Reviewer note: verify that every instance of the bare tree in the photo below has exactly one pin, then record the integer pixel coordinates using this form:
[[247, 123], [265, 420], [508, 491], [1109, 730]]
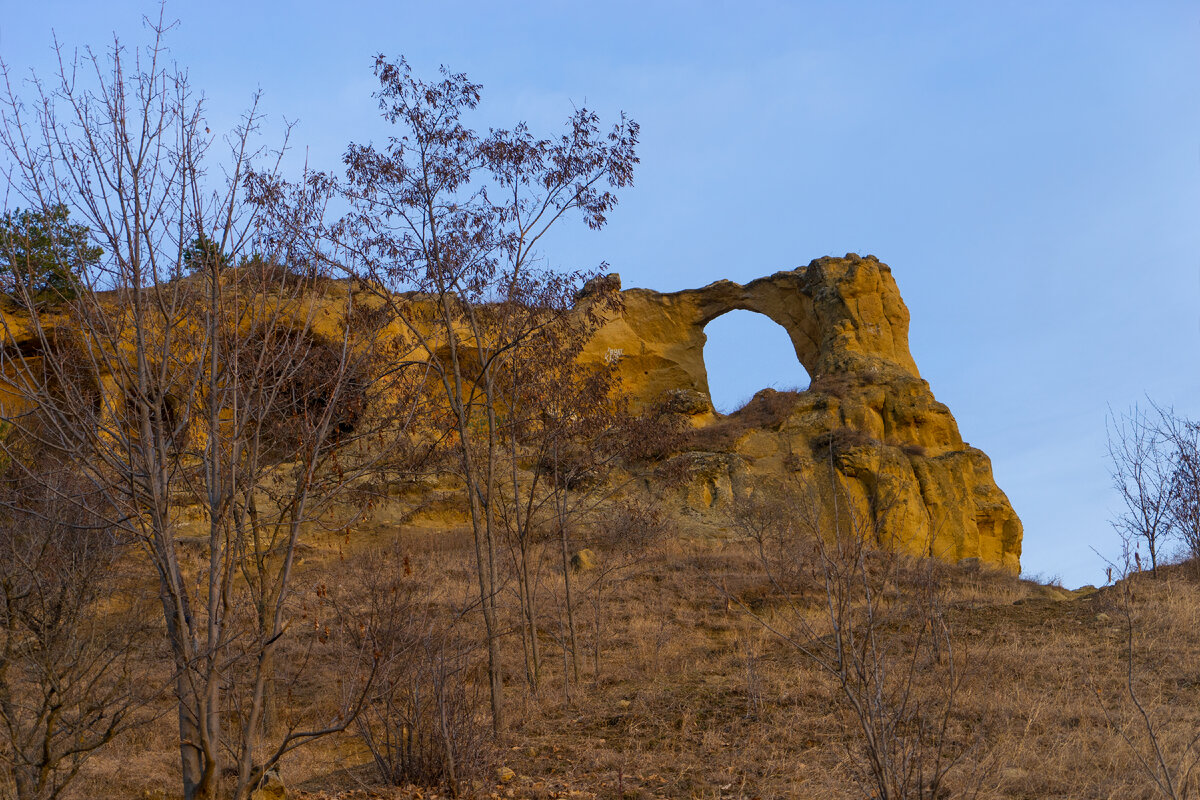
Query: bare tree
[[72, 667], [457, 217], [1166, 750], [1143, 475], [873, 620], [1155, 462], [189, 376], [421, 722], [1182, 436], [564, 427]]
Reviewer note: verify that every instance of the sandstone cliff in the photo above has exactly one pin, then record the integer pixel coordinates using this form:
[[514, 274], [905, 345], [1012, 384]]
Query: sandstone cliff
[[867, 435], [868, 420]]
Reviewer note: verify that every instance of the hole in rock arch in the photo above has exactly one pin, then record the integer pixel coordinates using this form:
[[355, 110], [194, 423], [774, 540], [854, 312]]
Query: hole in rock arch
[[745, 352]]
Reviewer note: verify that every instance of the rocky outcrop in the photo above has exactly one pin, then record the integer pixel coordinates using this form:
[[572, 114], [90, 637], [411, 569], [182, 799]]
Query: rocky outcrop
[[867, 440], [868, 427]]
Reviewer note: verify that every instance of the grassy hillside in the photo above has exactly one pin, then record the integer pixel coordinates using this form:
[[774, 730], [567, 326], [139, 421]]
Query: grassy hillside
[[685, 691]]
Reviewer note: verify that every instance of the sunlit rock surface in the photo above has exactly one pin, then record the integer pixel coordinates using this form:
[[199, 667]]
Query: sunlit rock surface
[[866, 446], [867, 441]]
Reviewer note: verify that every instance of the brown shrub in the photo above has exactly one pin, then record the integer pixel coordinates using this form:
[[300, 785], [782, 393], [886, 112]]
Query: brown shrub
[[422, 722], [910, 448], [843, 439], [767, 410], [839, 384], [655, 434]]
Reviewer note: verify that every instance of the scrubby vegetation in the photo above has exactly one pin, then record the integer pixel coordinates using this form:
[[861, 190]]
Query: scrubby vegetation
[[768, 409], [215, 581], [684, 692]]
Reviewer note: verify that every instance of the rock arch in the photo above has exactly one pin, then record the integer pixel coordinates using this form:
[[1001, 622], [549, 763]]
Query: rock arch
[[849, 328], [842, 316]]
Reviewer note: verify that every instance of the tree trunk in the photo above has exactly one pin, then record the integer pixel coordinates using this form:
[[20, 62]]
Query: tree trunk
[[499, 723], [479, 493], [198, 749], [495, 678], [199, 768], [531, 622], [270, 705], [486, 595], [566, 564]]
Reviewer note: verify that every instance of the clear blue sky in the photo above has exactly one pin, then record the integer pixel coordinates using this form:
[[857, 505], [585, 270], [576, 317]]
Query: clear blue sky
[[1030, 170]]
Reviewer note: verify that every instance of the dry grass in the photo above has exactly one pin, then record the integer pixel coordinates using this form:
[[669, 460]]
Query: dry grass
[[693, 698], [767, 410]]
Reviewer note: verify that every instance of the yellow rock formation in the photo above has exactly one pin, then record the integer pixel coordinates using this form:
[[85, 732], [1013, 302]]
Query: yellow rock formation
[[868, 419], [868, 426]]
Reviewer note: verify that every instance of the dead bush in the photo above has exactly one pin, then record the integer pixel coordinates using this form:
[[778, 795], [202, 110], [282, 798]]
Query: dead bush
[[73, 666], [875, 623], [767, 410], [422, 722], [841, 440], [837, 385], [630, 525], [655, 434], [910, 448]]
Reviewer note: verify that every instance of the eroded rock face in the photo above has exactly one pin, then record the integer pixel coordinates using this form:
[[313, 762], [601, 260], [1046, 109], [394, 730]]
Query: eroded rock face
[[869, 421], [867, 436]]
